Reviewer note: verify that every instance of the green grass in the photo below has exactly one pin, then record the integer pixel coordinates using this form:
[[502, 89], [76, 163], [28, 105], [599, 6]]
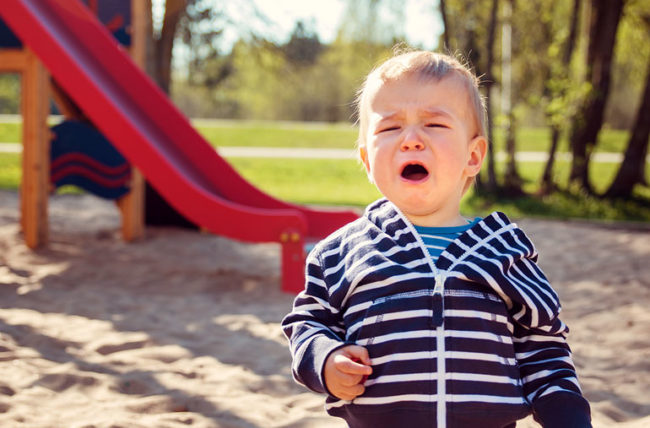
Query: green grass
[[310, 181], [561, 205], [336, 182], [10, 132], [343, 182], [564, 204], [342, 135], [10, 170], [270, 134]]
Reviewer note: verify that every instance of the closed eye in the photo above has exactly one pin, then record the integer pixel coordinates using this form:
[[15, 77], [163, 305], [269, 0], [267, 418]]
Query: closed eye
[[436, 125], [388, 128]]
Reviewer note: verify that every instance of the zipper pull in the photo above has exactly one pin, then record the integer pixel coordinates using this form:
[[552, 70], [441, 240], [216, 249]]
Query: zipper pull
[[439, 282], [437, 306]]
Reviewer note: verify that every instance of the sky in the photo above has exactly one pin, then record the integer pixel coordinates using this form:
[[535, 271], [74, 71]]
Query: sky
[[422, 22]]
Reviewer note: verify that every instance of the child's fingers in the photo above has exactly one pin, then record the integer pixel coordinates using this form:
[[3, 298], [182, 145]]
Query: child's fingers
[[359, 353], [346, 365]]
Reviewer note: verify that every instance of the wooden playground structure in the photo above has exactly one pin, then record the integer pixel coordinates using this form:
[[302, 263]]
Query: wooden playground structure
[[109, 93], [37, 89]]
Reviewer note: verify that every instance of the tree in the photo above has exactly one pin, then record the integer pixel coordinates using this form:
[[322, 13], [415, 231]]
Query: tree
[[632, 170], [445, 24], [303, 47], [489, 82], [198, 25], [556, 89], [511, 180], [605, 17], [377, 22], [474, 24], [160, 45], [199, 28]]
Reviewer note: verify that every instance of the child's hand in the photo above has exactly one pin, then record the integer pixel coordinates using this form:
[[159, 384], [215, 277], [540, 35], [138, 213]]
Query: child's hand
[[345, 371]]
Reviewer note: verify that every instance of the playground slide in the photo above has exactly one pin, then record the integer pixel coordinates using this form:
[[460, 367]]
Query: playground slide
[[138, 118]]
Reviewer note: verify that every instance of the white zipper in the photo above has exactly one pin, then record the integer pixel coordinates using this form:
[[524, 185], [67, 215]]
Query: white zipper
[[441, 410], [439, 287]]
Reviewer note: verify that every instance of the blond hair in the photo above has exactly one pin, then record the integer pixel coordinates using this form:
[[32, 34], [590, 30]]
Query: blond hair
[[427, 65]]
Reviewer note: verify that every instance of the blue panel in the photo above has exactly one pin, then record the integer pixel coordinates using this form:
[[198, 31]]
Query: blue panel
[[7, 38], [110, 10], [89, 146], [74, 136]]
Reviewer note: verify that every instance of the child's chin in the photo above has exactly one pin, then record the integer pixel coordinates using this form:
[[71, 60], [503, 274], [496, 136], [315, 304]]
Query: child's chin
[[414, 207]]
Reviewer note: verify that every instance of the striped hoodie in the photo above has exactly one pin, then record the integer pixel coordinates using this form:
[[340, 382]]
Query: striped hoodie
[[473, 339]]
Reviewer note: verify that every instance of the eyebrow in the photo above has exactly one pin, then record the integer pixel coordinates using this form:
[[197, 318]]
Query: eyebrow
[[388, 116], [436, 112], [428, 113]]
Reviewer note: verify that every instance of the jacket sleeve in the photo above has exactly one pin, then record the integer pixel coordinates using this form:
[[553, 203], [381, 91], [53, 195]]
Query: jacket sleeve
[[314, 329], [549, 377]]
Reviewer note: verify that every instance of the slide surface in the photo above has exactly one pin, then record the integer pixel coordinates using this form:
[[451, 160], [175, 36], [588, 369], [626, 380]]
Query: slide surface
[[138, 118]]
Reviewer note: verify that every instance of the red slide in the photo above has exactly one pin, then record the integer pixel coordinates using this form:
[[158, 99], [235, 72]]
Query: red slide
[[138, 118]]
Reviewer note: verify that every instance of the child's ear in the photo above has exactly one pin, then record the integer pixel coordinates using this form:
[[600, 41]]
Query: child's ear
[[363, 155], [477, 152]]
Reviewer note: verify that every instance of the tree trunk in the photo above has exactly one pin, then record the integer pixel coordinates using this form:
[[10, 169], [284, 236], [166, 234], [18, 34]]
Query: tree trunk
[[489, 81], [159, 63], [174, 10], [511, 180], [546, 185], [605, 16], [632, 170], [445, 24], [150, 63]]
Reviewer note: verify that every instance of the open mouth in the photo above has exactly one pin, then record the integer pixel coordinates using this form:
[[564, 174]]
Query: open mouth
[[414, 172]]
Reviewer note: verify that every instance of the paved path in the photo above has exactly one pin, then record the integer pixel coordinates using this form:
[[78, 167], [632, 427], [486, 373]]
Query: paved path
[[313, 153]]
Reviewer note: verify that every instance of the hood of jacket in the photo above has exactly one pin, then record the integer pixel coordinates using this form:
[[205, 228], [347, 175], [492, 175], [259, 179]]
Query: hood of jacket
[[494, 252]]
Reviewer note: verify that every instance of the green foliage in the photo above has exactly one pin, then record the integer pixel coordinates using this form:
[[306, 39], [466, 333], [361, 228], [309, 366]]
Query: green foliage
[[199, 30], [632, 54], [303, 47], [301, 79], [9, 93], [468, 24], [254, 85], [373, 22], [271, 82]]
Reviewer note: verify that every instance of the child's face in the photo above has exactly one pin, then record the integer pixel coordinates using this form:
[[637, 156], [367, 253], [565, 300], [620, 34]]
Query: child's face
[[420, 148]]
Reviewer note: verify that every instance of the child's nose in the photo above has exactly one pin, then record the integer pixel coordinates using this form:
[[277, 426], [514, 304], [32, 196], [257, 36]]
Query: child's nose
[[411, 142]]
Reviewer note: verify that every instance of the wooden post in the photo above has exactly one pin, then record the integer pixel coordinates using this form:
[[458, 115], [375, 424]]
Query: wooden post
[[132, 204], [13, 60], [35, 184]]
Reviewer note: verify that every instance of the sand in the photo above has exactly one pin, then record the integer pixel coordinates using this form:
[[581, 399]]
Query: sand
[[183, 329]]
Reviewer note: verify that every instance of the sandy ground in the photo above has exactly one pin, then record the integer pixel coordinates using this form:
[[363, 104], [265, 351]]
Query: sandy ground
[[183, 329]]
